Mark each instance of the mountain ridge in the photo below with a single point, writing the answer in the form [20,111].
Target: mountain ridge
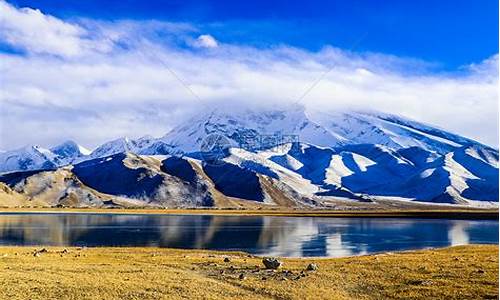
[352,155]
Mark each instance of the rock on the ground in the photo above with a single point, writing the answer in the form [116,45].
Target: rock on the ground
[312,267]
[271,263]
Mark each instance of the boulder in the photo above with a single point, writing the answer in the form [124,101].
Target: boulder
[271,263]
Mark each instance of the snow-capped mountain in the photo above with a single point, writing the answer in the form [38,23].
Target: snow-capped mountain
[27,158]
[146,145]
[113,147]
[69,152]
[352,155]
[239,124]
[36,157]
[362,127]
[325,129]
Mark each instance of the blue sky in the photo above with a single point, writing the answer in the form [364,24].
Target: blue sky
[92,73]
[449,34]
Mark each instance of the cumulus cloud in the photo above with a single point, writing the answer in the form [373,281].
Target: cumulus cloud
[132,78]
[205,41]
[31,30]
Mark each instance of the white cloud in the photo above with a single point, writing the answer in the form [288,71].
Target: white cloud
[31,30]
[122,78]
[205,41]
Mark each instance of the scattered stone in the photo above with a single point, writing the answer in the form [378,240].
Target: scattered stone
[227,259]
[284,279]
[427,282]
[65,250]
[242,276]
[415,282]
[221,272]
[312,267]
[480,271]
[264,278]
[271,263]
[37,253]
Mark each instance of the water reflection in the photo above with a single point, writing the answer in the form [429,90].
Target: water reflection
[281,236]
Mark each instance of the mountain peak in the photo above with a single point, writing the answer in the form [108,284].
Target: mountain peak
[70,148]
[344,153]
[252,122]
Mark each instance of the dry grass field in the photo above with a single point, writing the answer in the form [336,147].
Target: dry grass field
[462,272]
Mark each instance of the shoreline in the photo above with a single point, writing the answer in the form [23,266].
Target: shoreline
[223,253]
[458,272]
[449,213]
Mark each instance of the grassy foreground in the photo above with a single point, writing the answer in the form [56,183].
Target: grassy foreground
[463,272]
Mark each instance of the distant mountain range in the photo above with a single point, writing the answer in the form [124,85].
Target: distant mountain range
[283,156]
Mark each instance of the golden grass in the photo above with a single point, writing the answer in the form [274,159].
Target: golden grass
[463,272]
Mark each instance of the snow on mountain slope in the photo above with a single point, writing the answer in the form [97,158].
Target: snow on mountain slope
[157,147]
[260,164]
[146,145]
[325,129]
[68,152]
[127,179]
[342,154]
[485,155]
[119,145]
[27,158]
[241,124]
[36,157]
[395,132]
[451,178]
[336,170]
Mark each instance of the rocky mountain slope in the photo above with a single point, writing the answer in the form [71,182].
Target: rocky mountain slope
[287,157]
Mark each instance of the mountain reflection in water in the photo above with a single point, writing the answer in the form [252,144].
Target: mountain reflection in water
[280,236]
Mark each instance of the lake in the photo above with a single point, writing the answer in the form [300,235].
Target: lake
[261,235]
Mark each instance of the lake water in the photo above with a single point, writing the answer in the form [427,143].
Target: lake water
[280,236]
